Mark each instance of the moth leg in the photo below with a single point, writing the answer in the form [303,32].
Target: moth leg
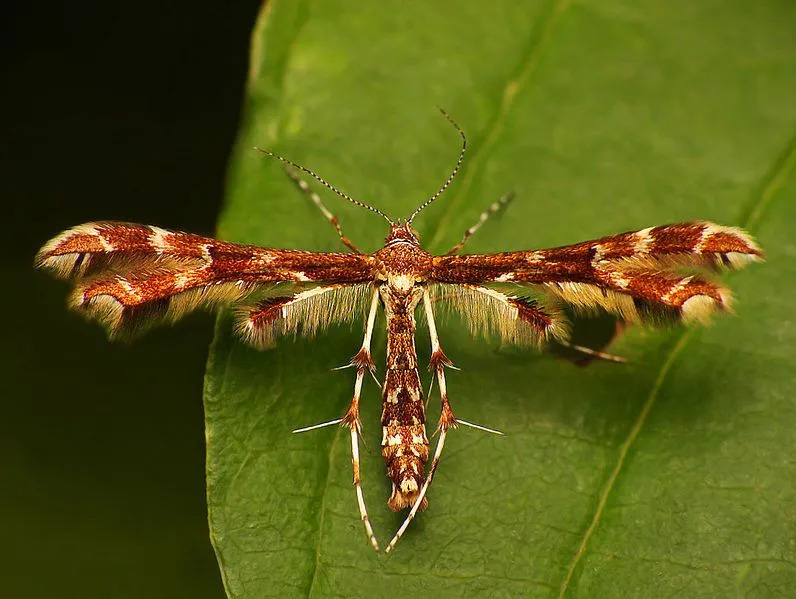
[446,420]
[363,362]
[316,199]
[493,209]
[439,361]
[592,352]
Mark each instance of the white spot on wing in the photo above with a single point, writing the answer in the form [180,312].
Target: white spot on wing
[676,288]
[106,245]
[709,230]
[619,280]
[534,258]
[643,241]
[158,238]
[131,291]
[182,279]
[599,250]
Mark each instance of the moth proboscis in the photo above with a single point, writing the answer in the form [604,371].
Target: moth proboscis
[128,275]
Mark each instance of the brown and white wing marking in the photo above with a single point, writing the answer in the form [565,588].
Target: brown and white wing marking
[306,313]
[636,275]
[514,319]
[127,274]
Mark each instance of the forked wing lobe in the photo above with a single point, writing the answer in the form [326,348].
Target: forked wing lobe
[655,272]
[127,273]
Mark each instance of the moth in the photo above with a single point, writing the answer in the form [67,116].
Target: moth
[129,276]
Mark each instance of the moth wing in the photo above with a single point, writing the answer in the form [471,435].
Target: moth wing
[129,276]
[651,275]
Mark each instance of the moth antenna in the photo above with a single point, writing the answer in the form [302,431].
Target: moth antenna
[479,427]
[323,182]
[316,426]
[455,170]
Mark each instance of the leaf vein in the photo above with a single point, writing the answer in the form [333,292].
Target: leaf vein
[526,67]
[322,515]
[480,576]
[620,460]
[774,182]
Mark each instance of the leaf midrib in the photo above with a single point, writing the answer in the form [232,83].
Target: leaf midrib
[322,517]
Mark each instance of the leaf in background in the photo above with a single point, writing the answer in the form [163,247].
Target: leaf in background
[674,473]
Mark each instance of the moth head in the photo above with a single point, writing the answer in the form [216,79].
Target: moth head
[402,232]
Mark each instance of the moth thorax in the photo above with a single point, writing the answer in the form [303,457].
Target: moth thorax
[404,282]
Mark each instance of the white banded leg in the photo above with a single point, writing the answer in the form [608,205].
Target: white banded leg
[592,352]
[446,420]
[493,209]
[363,362]
[439,361]
[316,199]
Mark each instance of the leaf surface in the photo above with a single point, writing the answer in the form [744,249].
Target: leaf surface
[673,473]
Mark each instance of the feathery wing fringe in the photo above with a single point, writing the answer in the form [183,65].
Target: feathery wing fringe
[307,313]
[514,319]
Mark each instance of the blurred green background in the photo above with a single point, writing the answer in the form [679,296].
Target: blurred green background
[112,111]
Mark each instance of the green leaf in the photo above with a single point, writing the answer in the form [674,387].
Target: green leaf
[673,475]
